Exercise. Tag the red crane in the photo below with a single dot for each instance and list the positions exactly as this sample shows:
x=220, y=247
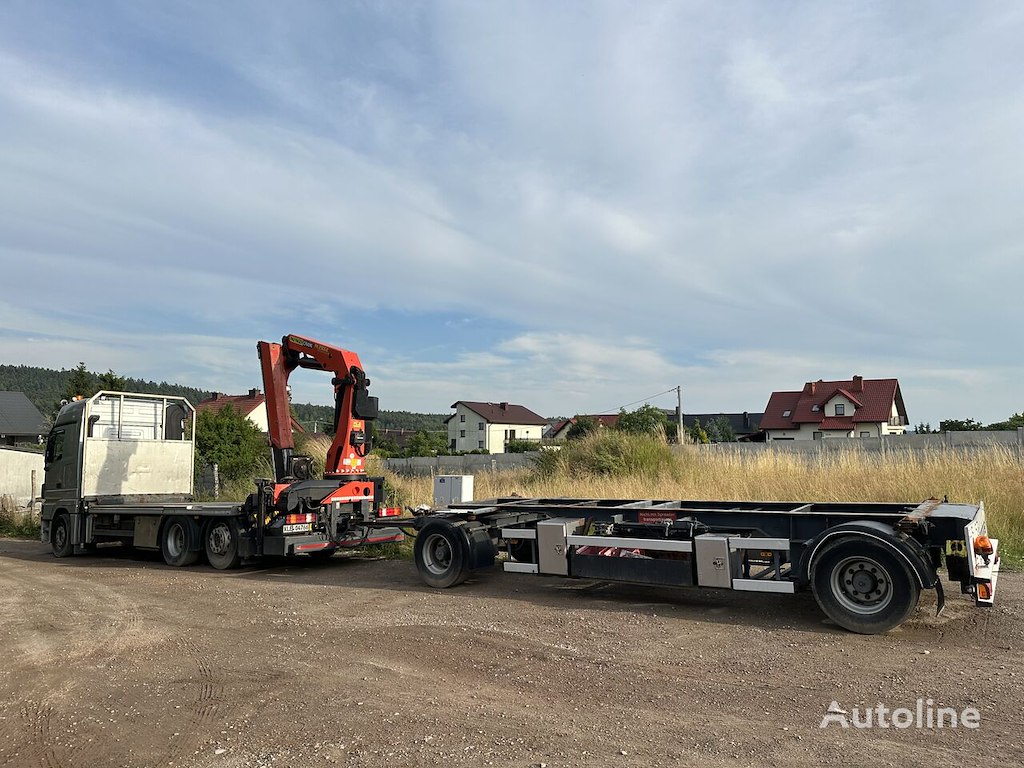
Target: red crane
x=352, y=404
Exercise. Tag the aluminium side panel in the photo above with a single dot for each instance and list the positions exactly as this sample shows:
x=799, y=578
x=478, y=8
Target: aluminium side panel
x=716, y=565
x=552, y=555
x=125, y=453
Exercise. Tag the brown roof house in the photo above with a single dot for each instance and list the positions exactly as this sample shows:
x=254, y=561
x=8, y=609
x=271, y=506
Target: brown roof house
x=560, y=431
x=488, y=426
x=252, y=405
x=857, y=407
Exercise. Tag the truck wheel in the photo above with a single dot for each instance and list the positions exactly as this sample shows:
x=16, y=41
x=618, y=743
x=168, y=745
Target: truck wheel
x=863, y=586
x=176, y=542
x=221, y=544
x=60, y=536
x=441, y=556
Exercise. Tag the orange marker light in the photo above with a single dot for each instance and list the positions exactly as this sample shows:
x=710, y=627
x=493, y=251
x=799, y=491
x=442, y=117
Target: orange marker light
x=982, y=545
x=984, y=590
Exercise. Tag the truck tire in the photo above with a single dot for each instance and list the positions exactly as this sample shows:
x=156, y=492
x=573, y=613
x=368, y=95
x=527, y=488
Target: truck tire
x=177, y=542
x=60, y=536
x=220, y=542
x=442, y=556
x=863, y=585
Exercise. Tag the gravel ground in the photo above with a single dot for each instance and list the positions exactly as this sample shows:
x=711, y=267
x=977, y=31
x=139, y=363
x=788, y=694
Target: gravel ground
x=113, y=661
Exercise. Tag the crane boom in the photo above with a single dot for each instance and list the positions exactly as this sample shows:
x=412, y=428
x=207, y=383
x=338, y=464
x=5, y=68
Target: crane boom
x=353, y=406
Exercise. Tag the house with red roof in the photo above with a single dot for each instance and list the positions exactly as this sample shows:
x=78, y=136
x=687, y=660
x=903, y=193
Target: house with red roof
x=856, y=407
x=489, y=426
x=560, y=430
x=252, y=405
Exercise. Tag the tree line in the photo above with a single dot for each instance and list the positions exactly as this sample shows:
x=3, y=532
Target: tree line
x=320, y=418
x=971, y=425
x=46, y=388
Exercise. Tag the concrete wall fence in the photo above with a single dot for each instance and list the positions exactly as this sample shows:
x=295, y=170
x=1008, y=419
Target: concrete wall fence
x=945, y=441
x=16, y=474
x=963, y=442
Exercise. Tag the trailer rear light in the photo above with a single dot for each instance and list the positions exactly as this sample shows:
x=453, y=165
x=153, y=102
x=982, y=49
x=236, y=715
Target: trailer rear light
x=983, y=545
x=389, y=512
x=984, y=590
x=316, y=546
x=305, y=517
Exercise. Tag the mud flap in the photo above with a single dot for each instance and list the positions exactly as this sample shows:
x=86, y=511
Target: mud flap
x=940, y=597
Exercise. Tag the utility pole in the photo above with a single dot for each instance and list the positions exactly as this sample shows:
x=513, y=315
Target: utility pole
x=679, y=415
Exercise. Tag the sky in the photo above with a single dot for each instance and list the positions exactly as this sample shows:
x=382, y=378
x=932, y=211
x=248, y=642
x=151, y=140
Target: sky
x=573, y=206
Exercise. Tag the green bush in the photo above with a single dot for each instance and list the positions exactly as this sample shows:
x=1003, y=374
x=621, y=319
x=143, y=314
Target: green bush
x=521, y=446
x=581, y=427
x=645, y=420
x=610, y=453
x=232, y=442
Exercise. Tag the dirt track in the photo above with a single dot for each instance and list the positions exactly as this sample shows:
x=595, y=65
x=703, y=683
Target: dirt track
x=108, y=661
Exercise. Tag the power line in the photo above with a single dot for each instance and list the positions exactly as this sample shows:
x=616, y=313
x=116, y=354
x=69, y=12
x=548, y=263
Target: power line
x=641, y=400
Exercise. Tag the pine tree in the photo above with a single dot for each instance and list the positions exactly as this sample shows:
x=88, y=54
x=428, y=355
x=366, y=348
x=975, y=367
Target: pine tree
x=81, y=383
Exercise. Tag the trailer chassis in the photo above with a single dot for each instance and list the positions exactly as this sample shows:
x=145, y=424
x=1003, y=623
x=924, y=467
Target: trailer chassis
x=865, y=563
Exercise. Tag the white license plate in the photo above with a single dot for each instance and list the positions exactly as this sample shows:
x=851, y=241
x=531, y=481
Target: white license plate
x=298, y=528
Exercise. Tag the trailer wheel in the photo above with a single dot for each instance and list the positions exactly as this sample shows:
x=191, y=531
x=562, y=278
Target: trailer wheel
x=176, y=542
x=863, y=586
x=441, y=556
x=221, y=544
x=60, y=536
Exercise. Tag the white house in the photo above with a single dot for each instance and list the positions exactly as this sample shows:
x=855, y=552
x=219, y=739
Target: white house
x=253, y=406
x=488, y=426
x=857, y=407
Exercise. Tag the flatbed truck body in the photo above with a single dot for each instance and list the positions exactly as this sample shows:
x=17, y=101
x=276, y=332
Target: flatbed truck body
x=864, y=562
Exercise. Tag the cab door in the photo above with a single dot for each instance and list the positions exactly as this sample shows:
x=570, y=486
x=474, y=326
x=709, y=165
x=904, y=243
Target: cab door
x=60, y=468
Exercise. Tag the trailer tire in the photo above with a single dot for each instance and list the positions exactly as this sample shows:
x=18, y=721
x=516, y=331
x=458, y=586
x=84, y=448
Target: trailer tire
x=220, y=542
x=442, y=555
x=60, y=536
x=863, y=585
x=177, y=542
